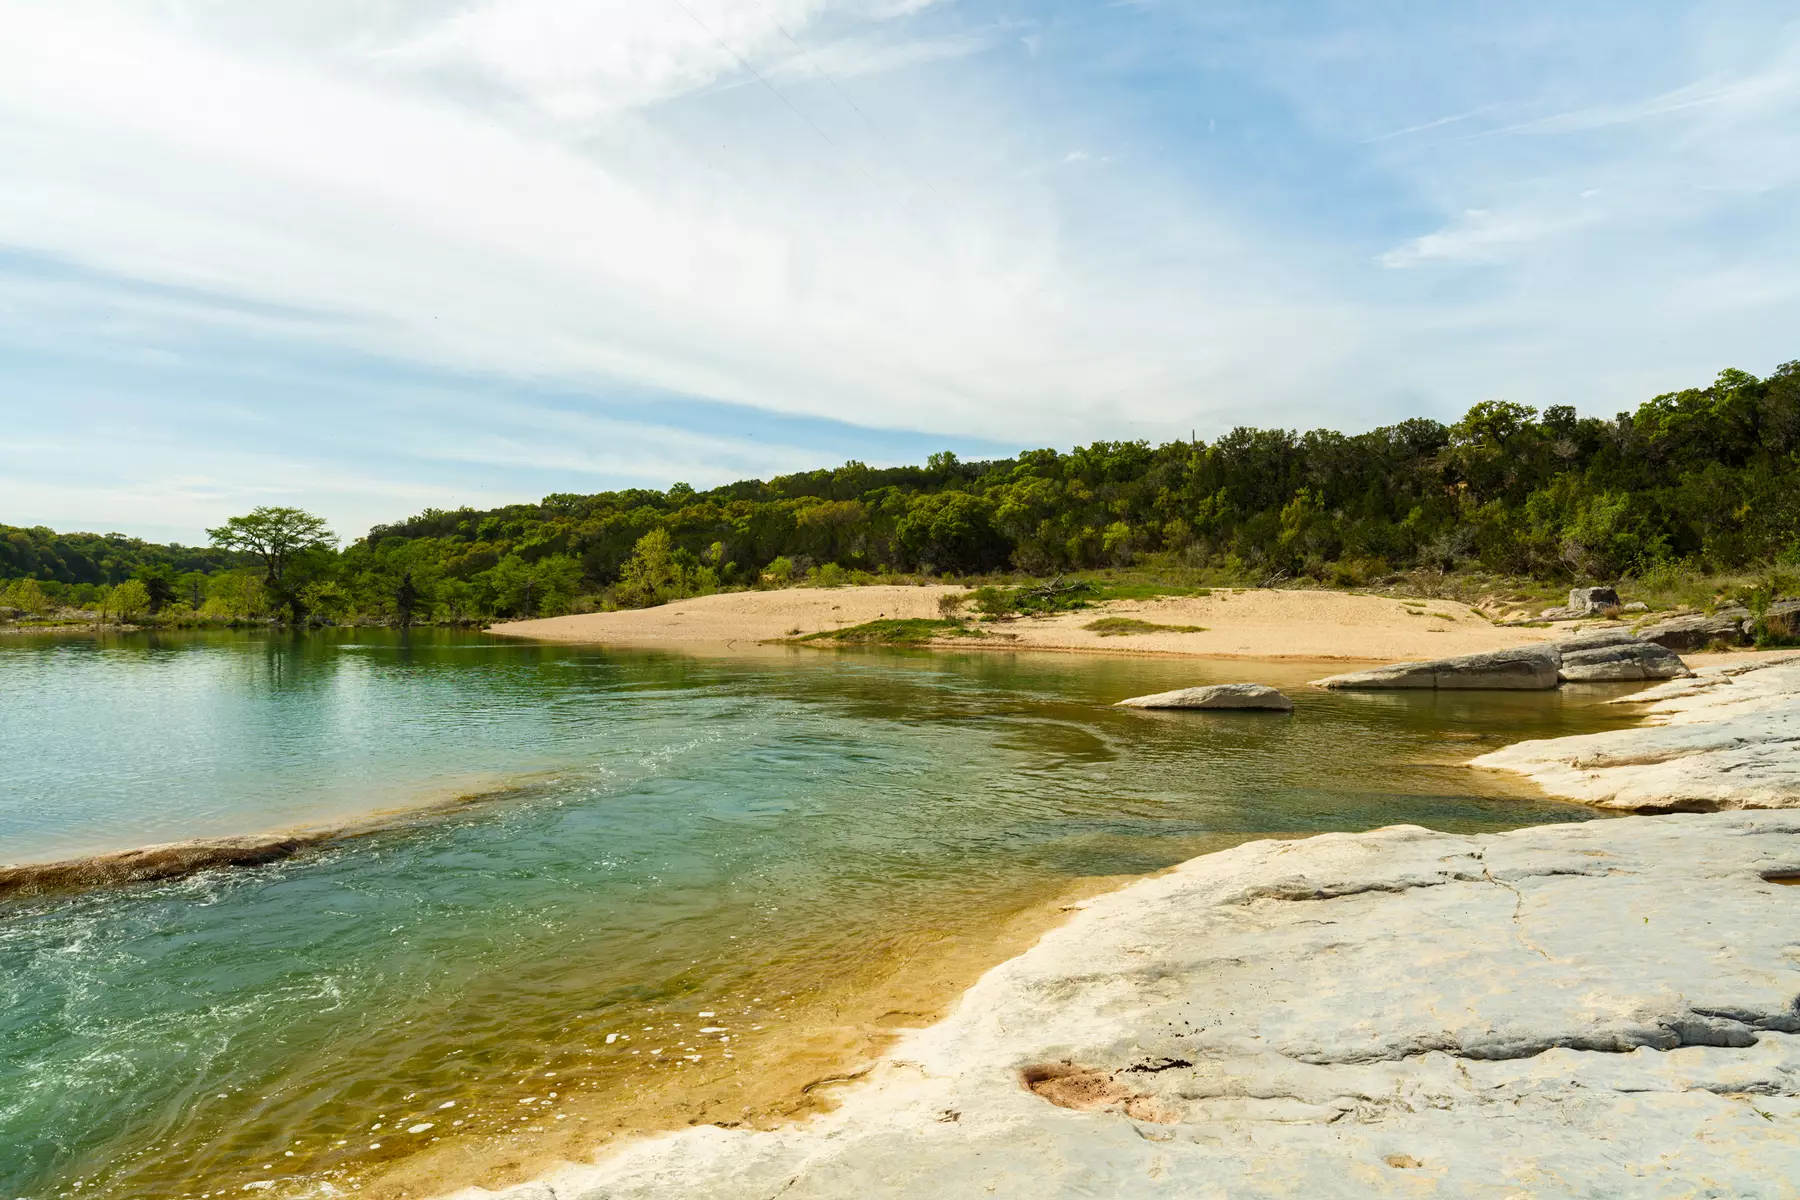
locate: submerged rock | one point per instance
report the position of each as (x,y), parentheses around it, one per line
(168,861)
(1728,737)
(1598,1008)
(1531,668)
(1217,695)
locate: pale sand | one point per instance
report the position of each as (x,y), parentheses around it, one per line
(1254,623)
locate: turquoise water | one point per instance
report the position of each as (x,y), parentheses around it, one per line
(663,836)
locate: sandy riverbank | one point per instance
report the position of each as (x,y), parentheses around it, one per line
(1596,1008)
(1250,623)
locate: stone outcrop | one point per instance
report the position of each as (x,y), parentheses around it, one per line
(1616,656)
(1521,667)
(1697,631)
(1607,656)
(1728,737)
(1599,1008)
(1215,696)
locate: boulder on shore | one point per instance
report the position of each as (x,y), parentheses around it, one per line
(1696,631)
(1593,599)
(1521,668)
(1617,656)
(1216,696)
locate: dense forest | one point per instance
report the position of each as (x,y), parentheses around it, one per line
(1708,478)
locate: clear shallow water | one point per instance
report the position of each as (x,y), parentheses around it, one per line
(768,839)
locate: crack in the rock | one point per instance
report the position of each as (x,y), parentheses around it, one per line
(1676,1033)
(1518,907)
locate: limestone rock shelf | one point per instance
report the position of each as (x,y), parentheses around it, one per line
(1604,1008)
(1729,737)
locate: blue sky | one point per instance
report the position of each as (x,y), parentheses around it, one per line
(373,257)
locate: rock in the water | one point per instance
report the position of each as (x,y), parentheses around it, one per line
(1729,737)
(168,861)
(1696,631)
(1603,1008)
(1531,668)
(1612,657)
(1592,599)
(1218,695)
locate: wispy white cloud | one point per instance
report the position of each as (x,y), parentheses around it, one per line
(850,211)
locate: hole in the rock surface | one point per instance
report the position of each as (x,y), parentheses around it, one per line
(1089,1089)
(1402,1161)
(1790,878)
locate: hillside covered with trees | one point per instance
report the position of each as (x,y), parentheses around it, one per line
(1707,479)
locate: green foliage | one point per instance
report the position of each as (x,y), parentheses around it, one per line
(235,596)
(1123,626)
(29,597)
(130,599)
(279,537)
(1035,600)
(1693,485)
(893,632)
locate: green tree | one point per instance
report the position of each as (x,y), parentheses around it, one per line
(651,575)
(28,596)
(130,599)
(276,536)
(235,596)
(159,584)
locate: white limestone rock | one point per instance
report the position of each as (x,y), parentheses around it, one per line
(1218,695)
(1729,737)
(1600,1008)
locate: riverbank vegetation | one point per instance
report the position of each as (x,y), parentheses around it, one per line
(1694,495)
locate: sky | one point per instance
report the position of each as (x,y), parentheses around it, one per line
(373,256)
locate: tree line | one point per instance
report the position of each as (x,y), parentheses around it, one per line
(1708,478)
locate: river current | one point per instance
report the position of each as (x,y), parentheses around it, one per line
(672,888)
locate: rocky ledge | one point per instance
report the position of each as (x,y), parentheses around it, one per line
(1606,656)
(1601,1008)
(1729,737)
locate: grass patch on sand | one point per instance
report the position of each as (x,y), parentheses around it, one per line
(892,632)
(1122,626)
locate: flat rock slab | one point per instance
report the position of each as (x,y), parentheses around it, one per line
(1216,696)
(1530,668)
(1727,737)
(1603,1008)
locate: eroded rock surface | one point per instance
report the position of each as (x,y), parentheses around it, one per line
(1602,1008)
(1616,657)
(1697,631)
(1218,695)
(1531,668)
(1729,737)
